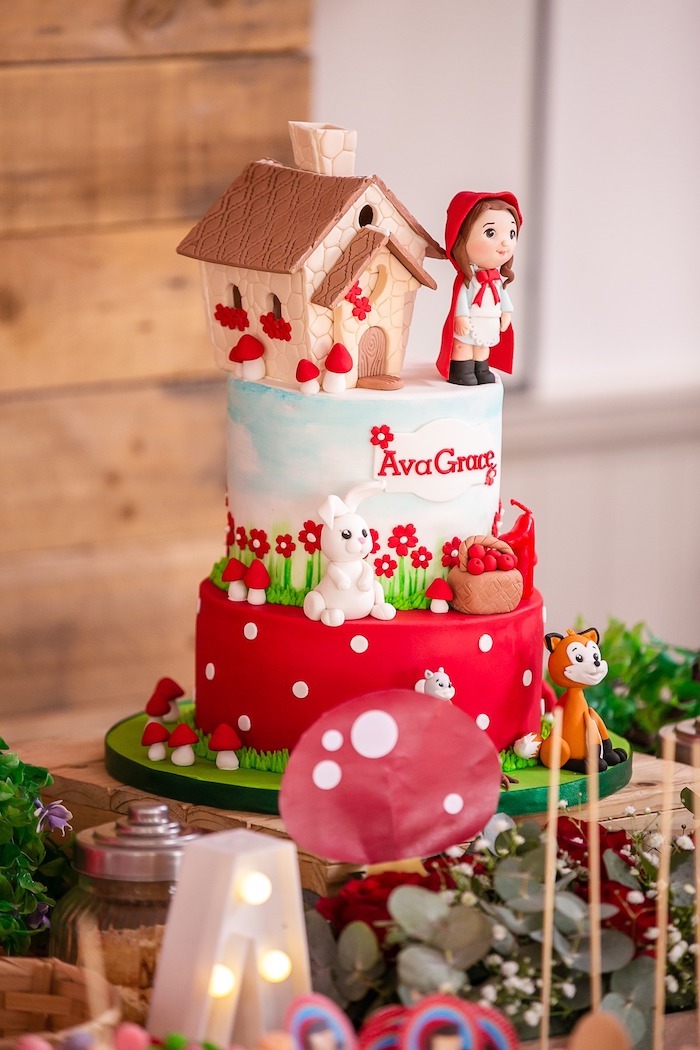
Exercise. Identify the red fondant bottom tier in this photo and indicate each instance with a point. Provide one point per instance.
(271, 672)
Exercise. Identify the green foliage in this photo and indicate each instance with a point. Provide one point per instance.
(649, 683)
(23, 893)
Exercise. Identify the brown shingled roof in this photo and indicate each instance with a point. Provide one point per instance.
(356, 257)
(272, 217)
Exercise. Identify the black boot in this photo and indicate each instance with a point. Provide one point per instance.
(613, 755)
(462, 373)
(483, 372)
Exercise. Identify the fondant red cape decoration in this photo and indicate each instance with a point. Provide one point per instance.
(501, 355)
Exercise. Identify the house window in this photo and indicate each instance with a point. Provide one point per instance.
(236, 294)
(366, 215)
(276, 310)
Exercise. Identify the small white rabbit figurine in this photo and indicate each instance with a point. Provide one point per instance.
(348, 590)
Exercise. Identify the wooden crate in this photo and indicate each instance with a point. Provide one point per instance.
(120, 122)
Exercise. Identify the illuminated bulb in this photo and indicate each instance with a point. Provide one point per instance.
(255, 888)
(221, 981)
(275, 966)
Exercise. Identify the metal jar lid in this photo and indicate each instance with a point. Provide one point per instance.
(144, 846)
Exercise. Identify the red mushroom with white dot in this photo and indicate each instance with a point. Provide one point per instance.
(370, 755)
(154, 737)
(338, 364)
(440, 594)
(163, 701)
(307, 376)
(225, 741)
(233, 575)
(181, 743)
(248, 355)
(257, 580)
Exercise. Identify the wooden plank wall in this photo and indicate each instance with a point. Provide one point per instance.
(120, 122)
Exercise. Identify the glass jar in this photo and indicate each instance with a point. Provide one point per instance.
(115, 917)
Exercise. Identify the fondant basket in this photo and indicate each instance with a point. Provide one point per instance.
(51, 998)
(491, 592)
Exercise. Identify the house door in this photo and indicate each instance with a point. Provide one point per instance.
(372, 351)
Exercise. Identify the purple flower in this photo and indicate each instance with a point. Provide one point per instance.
(39, 918)
(53, 817)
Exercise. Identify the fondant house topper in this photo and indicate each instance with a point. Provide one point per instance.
(301, 261)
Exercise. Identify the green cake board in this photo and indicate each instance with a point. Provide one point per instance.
(250, 790)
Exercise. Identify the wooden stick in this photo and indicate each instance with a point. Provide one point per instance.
(668, 753)
(550, 875)
(593, 784)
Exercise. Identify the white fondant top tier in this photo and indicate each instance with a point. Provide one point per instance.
(436, 448)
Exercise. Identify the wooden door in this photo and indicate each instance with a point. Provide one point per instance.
(372, 353)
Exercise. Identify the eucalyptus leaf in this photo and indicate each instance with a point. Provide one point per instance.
(636, 981)
(418, 910)
(513, 879)
(629, 1015)
(571, 906)
(691, 801)
(617, 950)
(358, 949)
(618, 871)
(465, 938)
(425, 970)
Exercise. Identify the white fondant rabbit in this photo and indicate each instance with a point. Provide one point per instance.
(348, 590)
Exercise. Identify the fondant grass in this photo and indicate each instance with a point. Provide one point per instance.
(254, 790)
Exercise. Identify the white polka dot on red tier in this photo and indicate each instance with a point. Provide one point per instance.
(250, 631)
(359, 644)
(300, 690)
(244, 723)
(483, 721)
(485, 643)
(527, 677)
(210, 671)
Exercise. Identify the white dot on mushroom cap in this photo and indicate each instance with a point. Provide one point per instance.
(527, 677)
(486, 643)
(359, 644)
(326, 775)
(300, 689)
(374, 734)
(210, 671)
(453, 803)
(244, 723)
(250, 631)
(332, 739)
(483, 721)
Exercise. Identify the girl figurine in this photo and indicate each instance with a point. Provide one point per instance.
(480, 237)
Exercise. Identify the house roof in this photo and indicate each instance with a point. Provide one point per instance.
(356, 257)
(272, 217)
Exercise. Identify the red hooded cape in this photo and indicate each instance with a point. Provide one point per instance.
(501, 355)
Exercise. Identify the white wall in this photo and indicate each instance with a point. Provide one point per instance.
(588, 110)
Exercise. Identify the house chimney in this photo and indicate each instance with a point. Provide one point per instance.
(324, 148)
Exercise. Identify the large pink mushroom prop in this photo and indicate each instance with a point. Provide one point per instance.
(248, 355)
(163, 701)
(429, 777)
(338, 364)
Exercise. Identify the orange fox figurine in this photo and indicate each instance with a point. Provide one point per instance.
(575, 662)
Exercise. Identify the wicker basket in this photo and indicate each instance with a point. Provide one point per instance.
(48, 997)
(492, 592)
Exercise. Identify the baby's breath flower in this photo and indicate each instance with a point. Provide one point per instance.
(674, 935)
(509, 967)
(532, 1016)
(685, 842)
(655, 840)
(677, 951)
(635, 897)
(494, 959)
(499, 932)
(511, 1009)
(463, 868)
(652, 933)
(449, 895)
(671, 983)
(651, 858)
(563, 804)
(630, 811)
(468, 898)
(518, 839)
(568, 989)
(689, 889)
(480, 844)
(488, 993)
(454, 851)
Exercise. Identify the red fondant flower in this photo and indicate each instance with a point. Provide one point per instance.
(241, 537)
(421, 558)
(276, 327)
(402, 538)
(375, 541)
(257, 542)
(361, 305)
(231, 317)
(385, 566)
(381, 436)
(285, 545)
(450, 552)
(310, 536)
